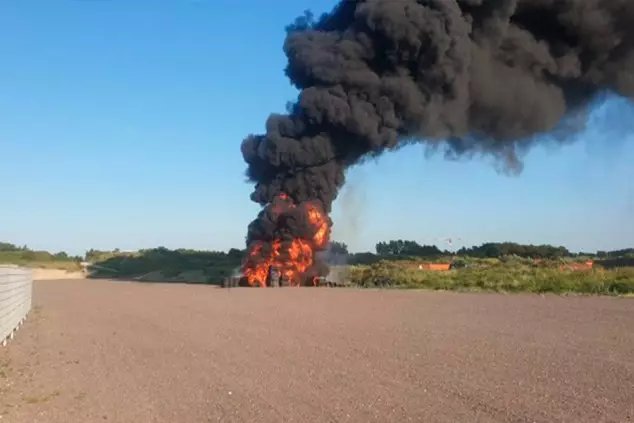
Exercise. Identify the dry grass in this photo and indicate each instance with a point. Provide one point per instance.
(38, 399)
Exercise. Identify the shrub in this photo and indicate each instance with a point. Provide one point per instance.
(514, 277)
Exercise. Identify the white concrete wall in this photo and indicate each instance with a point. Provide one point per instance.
(16, 287)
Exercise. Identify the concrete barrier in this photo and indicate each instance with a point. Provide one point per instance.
(16, 287)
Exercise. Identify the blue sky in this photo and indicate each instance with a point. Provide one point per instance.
(121, 123)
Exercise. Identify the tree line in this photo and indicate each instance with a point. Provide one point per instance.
(10, 253)
(402, 249)
(385, 250)
(218, 264)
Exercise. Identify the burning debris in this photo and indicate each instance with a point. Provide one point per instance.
(463, 76)
(285, 241)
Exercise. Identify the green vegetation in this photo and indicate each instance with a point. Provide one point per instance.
(507, 267)
(161, 264)
(24, 256)
(501, 277)
(401, 248)
(41, 398)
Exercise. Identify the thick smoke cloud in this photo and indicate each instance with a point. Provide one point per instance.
(466, 76)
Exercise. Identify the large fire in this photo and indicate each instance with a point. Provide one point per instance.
(290, 256)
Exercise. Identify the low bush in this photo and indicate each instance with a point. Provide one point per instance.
(170, 263)
(40, 259)
(499, 277)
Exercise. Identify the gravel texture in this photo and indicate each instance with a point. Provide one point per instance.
(99, 351)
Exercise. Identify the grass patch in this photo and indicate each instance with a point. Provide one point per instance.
(41, 399)
(5, 368)
(497, 278)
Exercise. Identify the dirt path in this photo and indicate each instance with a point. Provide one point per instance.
(55, 274)
(123, 352)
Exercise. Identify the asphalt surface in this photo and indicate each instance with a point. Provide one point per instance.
(97, 351)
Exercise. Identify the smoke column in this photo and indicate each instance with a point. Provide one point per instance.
(465, 76)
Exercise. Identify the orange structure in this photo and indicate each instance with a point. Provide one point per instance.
(578, 266)
(431, 266)
(436, 266)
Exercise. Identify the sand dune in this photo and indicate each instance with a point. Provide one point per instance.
(55, 274)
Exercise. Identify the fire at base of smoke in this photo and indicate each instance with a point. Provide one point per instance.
(290, 256)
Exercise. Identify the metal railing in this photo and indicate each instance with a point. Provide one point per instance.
(16, 287)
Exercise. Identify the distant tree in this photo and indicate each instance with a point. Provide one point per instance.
(9, 247)
(6, 246)
(62, 255)
(363, 258)
(236, 254)
(339, 248)
(497, 249)
(91, 254)
(619, 253)
(406, 248)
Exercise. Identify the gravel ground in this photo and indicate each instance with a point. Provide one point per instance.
(96, 351)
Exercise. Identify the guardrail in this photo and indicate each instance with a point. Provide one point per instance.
(16, 287)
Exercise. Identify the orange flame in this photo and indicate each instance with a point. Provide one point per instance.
(291, 258)
(318, 219)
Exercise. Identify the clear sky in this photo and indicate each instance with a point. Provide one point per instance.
(121, 123)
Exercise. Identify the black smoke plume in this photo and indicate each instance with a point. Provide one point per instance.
(466, 76)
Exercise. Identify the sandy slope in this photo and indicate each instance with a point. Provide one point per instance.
(55, 274)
